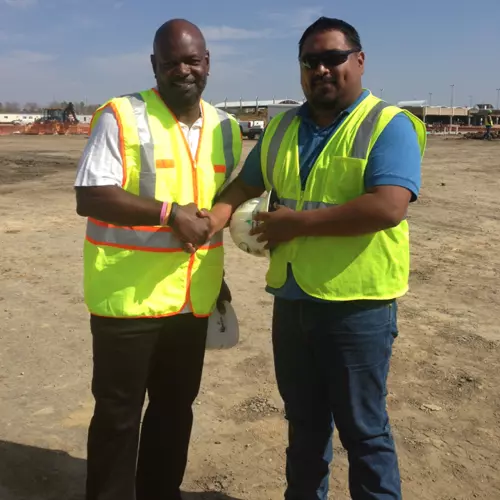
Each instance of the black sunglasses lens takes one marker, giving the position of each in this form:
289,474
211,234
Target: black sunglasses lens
328,59
309,62
332,60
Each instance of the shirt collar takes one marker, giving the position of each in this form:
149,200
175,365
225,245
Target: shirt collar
199,121
304,111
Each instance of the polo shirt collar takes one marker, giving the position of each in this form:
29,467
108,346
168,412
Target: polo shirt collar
305,114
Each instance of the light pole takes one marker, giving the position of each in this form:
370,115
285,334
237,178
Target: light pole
452,102
430,98
498,98
381,93
470,101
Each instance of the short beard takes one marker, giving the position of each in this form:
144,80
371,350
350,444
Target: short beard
323,103
180,100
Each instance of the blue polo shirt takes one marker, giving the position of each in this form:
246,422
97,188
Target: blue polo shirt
394,160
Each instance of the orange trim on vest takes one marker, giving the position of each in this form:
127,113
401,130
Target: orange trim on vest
147,229
121,141
165,163
194,161
156,250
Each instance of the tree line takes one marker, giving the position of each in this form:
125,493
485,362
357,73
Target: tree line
81,107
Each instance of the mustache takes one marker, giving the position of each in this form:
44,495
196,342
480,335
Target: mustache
323,79
183,80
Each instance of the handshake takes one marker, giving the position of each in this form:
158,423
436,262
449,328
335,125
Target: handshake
193,226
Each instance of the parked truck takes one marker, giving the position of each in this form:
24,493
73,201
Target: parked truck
251,128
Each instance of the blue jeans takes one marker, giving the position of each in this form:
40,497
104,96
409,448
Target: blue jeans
332,362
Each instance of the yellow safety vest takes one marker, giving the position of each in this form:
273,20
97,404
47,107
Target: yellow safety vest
372,266
489,121
132,272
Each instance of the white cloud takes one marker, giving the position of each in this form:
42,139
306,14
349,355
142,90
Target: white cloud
31,76
23,57
222,50
6,37
282,22
120,73
43,77
221,33
21,4
296,19
128,62
88,22
114,74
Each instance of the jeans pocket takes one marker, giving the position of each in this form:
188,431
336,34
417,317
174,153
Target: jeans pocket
394,320
365,316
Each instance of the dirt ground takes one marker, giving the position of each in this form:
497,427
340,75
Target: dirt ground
444,386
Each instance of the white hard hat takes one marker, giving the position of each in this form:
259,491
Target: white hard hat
223,329
242,222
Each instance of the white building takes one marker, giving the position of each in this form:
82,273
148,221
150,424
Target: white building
251,106
25,118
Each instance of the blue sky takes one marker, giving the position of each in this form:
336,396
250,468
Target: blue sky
95,49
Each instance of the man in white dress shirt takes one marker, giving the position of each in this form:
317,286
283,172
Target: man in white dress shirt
140,182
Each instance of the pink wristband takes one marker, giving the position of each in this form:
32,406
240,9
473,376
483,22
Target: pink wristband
163,213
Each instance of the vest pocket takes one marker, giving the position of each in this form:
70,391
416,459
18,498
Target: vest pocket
206,279
344,180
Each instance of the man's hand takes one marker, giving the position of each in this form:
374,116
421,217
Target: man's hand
224,296
276,227
192,230
227,202
215,224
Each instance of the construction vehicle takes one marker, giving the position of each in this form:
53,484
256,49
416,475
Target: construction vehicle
251,128
61,115
61,121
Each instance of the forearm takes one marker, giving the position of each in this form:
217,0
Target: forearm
364,215
230,199
116,206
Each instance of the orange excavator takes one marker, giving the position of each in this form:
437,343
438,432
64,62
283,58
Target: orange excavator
61,115
62,121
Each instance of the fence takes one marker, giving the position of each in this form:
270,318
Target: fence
51,128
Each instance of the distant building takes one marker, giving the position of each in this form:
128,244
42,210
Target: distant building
252,106
25,118
411,104
458,115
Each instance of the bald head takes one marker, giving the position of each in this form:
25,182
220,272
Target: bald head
175,29
180,62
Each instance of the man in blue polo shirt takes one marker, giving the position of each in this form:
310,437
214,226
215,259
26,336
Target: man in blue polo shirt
332,345
394,160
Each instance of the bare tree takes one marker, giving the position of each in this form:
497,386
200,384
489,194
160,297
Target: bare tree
31,107
11,107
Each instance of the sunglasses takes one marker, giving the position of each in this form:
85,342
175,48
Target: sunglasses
328,58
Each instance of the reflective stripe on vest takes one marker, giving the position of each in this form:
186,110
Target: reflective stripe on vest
150,239
227,141
147,181
313,205
365,131
276,140
359,148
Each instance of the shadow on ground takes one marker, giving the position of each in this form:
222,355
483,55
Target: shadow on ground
211,495
30,473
